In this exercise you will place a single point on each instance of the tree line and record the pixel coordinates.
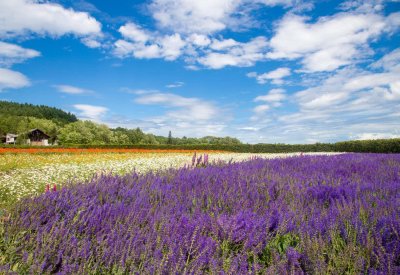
(56, 115)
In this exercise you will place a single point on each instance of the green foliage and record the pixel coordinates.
(208, 140)
(37, 111)
(85, 132)
(392, 144)
(369, 146)
(21, 125)
(169, 138)
(278, 244)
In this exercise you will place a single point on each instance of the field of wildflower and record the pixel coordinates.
(304, 214)
(27, 172)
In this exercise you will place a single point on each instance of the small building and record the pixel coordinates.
(37, 137)
(11, 138)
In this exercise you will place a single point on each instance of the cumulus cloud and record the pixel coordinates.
(21, 17)
(197, 49)
(206, 16)
(12, 80)
(188, 29)
(134, 32)
(193, 16)
(275, 76)
(233, 53)
(329, 43)
(90, 112)
(11, 54)
(184, 108)
(141, 43)
(73, 90)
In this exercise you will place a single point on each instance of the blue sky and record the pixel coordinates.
(287, 71)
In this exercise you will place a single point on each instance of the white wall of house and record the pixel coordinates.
(11, 138)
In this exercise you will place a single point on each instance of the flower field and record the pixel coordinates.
(23, 174)
(305, 214)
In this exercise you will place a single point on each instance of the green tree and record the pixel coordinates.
(169, 138)
(85, 132)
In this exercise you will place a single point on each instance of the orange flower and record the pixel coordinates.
(94, 150)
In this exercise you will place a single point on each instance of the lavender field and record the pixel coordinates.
(300, 215)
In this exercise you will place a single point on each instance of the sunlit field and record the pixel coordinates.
(215, 215)
(26, 172)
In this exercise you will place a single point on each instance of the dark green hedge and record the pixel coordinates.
(365, 146)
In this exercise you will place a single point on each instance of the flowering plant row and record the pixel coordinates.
(306, 214)
(27, 174)
(42, 150)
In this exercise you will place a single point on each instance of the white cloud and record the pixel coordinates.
(275, 76)
(252, 129)
(261, 109)
(184, 116)
(371, 80)
(366, 136)
(141, 43)
(171, 46)
(274, 96)
(348, 104)
(196, 48)
(186, 16)
(329, 43)
(92, 42)
(393, 22)
(206, 16)
(11, 54)
(186, 108)
(12, 80)
(363, 5)
(236, 54)
(21, 17)
(176, 84)
(134, 32)
(390, 61)
(68, 89)
(91, 112)
(199, 40)
(226, 44)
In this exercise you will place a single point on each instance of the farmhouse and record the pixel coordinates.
(9, 138)
(37, 137)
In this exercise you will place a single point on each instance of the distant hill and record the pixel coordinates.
(37, 111)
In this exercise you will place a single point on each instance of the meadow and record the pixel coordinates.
(216, 213)
(27, 172)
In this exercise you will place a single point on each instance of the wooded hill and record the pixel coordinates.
(38, 111)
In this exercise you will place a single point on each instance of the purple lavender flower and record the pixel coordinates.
(301, 215)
